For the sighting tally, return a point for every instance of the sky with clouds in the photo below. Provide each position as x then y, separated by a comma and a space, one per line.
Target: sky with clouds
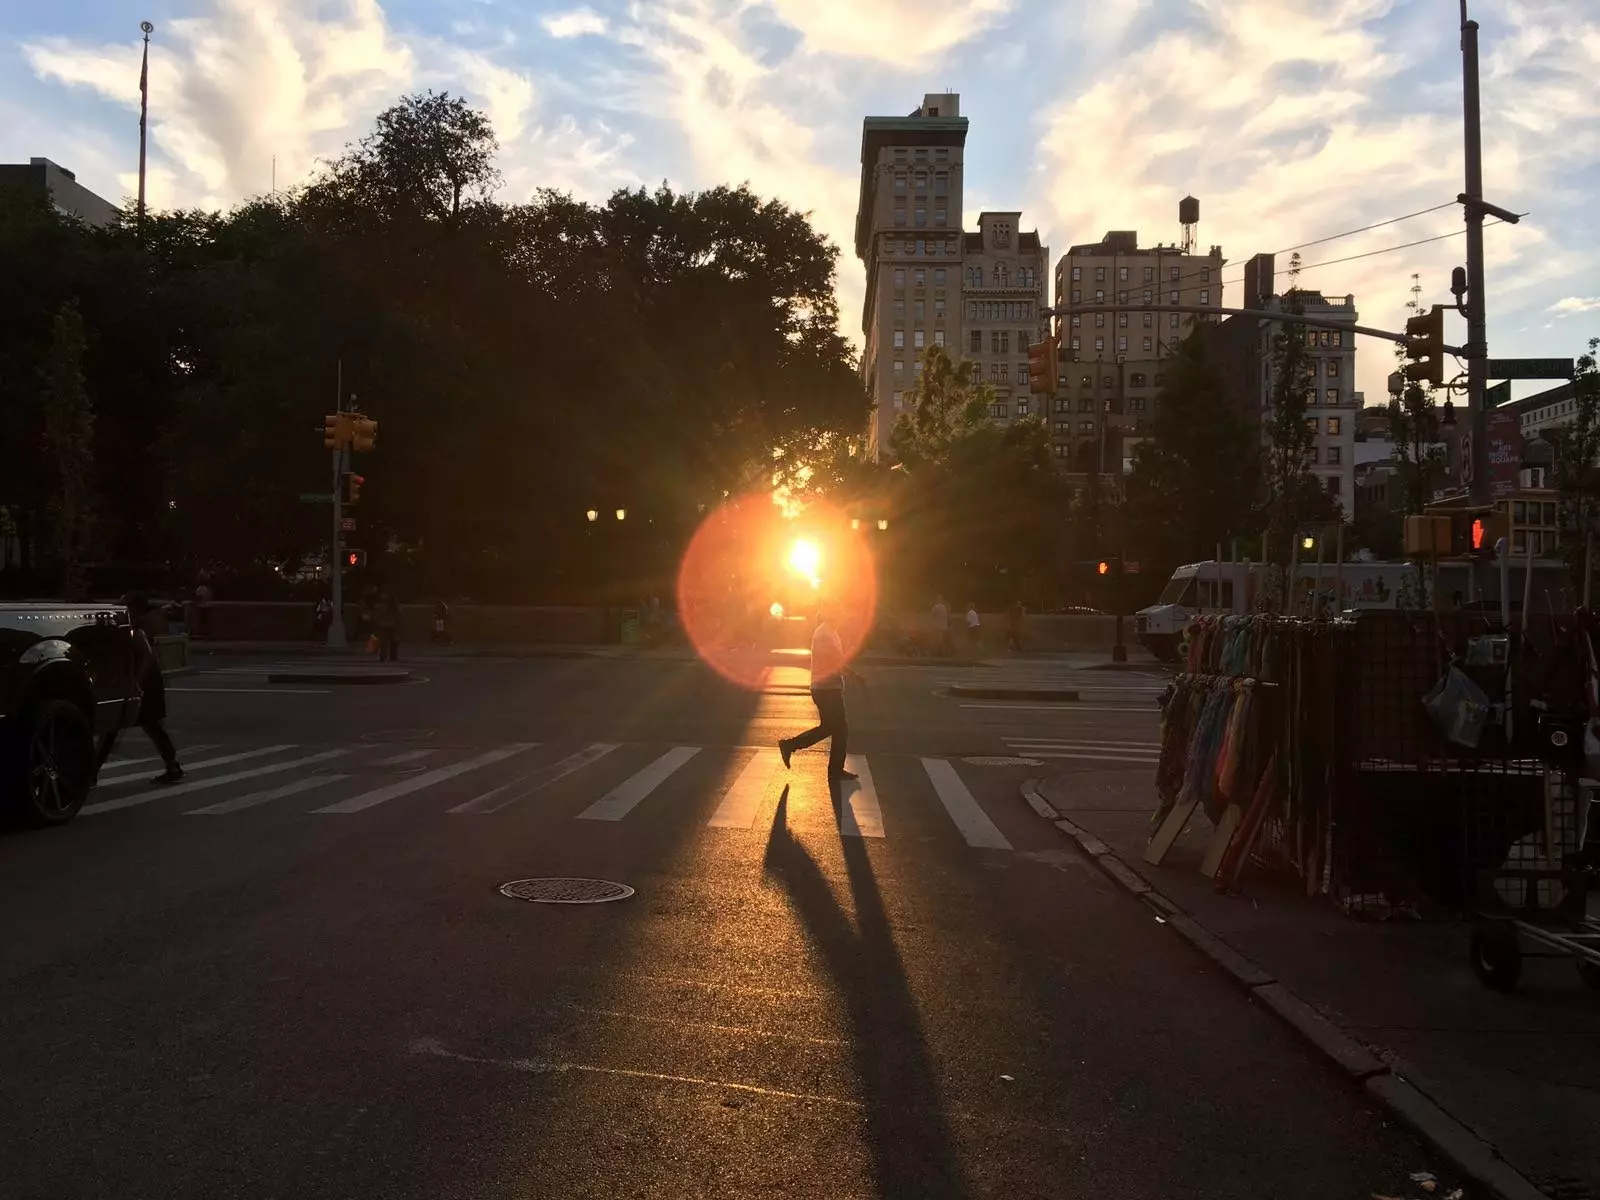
1291, 120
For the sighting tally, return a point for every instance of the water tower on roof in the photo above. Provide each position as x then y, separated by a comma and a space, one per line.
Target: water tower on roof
1189, 218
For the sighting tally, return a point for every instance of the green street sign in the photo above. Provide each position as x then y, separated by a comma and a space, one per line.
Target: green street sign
316, 497
1499, 394
1530, 368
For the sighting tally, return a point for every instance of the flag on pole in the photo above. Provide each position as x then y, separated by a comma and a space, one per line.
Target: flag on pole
144, 71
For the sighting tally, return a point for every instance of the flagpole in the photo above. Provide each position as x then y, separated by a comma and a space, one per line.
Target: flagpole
144, 106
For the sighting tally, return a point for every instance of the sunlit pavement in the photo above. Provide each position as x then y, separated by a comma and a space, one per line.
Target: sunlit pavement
295, 975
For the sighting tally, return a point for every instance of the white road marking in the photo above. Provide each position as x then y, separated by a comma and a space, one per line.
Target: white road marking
1071, 744
1153, 760
1075, 707
427, 779
964, 810
859, 813
260, 691
122, 764
251, 799
742, 801
404, 756
210, 762
489, 802
622, 800
183, 789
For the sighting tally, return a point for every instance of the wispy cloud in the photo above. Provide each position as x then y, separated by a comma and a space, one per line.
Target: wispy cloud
579, 22
1576, 304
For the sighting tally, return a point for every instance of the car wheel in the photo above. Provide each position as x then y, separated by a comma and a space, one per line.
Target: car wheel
55, 761
1497, 956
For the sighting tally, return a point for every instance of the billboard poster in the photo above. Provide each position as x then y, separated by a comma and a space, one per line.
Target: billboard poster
1505, 453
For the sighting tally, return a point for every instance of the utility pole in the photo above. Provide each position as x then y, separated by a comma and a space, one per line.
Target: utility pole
336, 626
144, 106
1477, 315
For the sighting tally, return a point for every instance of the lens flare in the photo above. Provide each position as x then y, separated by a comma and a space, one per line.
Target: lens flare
752, 581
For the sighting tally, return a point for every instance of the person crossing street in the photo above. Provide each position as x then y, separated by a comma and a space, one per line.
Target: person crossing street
828, 670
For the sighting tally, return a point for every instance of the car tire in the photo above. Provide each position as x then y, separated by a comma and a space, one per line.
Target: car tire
52, 762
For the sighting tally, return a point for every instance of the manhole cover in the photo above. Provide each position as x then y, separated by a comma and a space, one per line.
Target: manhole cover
565, 891
1001, 760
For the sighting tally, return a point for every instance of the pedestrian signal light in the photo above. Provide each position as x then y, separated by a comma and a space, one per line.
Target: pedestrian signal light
355, 558
1424, 346
352, 487
1103, 567
363, 434
335, 431
1477, 533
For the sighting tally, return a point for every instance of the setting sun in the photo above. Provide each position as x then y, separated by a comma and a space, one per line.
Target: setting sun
805, 559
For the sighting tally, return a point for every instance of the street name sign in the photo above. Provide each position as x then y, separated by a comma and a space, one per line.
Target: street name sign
316, 497
1530, 368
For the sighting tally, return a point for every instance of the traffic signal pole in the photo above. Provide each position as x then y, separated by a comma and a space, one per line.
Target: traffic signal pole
1476, 314
336, 626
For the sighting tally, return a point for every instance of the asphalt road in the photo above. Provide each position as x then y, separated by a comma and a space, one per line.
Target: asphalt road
294, 975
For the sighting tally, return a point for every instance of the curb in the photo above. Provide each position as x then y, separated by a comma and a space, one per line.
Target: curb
354, 677
975, 691
1476, 1159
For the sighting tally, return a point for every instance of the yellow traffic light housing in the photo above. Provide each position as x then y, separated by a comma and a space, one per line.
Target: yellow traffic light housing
363, 434
336, 431
1042, 365
352, 487
1424, 346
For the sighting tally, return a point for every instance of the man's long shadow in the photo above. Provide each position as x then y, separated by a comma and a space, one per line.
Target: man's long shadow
913, 1153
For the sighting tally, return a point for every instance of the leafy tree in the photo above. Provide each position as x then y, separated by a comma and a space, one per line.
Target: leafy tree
67, 444
1195, 481
1576, 464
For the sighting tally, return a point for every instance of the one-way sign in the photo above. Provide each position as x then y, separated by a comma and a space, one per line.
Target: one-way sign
1530, 368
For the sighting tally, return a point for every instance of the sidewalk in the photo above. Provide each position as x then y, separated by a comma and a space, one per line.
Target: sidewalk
1521, 1071
429, 650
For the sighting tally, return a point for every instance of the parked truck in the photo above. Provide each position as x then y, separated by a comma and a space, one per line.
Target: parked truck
68, 680
1329, 588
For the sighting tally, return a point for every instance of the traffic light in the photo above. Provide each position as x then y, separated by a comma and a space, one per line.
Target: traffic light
355, 558
1425, 347
1475, 532
336, 431
1042, 365
363, 434
352, 487
1102, 567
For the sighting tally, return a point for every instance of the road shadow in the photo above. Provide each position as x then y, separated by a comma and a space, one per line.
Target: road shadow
908, 1135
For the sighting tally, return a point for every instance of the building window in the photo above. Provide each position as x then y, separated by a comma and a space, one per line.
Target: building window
1002, 275
1122, 320
941, 184
1077, 296
974, 276
919, 339
1023, 340
1022, 372
1085, 405
975, 341
1149, 320
1172, 274
1085, 426
1311, 424
1022, 406
897, 396
1137, 379
1331, 396
899, 367
1077, 274
1332, 368
1333, 456
1122, 274
922, 248
1099, 274
916, 367
1122, 344
1147, 345
900, 308
1063, 405
1172, 297
1327, 337
938, 306
938, 337
899, 154
1136, 404
899, 339
920, 308
977, 373
922, 218
1000, 342
1099, 343
900, 218
1077, 321
1099, 320
1314, 456
899, 277
1063, 427
922, 182
922, 154
1077, 344
1122, 297
1205, 274
998, 411
899, 182
941, 156
940, 217
1172, 321
1149, 274
1147, 297
1205, 295
999, 372
1099, 297
1334, 426
919, 276
1063, 450
1086, 381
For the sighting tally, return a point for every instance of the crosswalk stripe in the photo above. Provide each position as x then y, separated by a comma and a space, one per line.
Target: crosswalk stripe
859, 813
252, 799
490, 802
1068, 744
208, 762
427, 779
742, 801
964, 810
405, 756
621, 800
183, 789
119, 765
1152, 760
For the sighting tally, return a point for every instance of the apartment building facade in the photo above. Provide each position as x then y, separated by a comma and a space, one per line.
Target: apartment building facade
1112, 362
929, 283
